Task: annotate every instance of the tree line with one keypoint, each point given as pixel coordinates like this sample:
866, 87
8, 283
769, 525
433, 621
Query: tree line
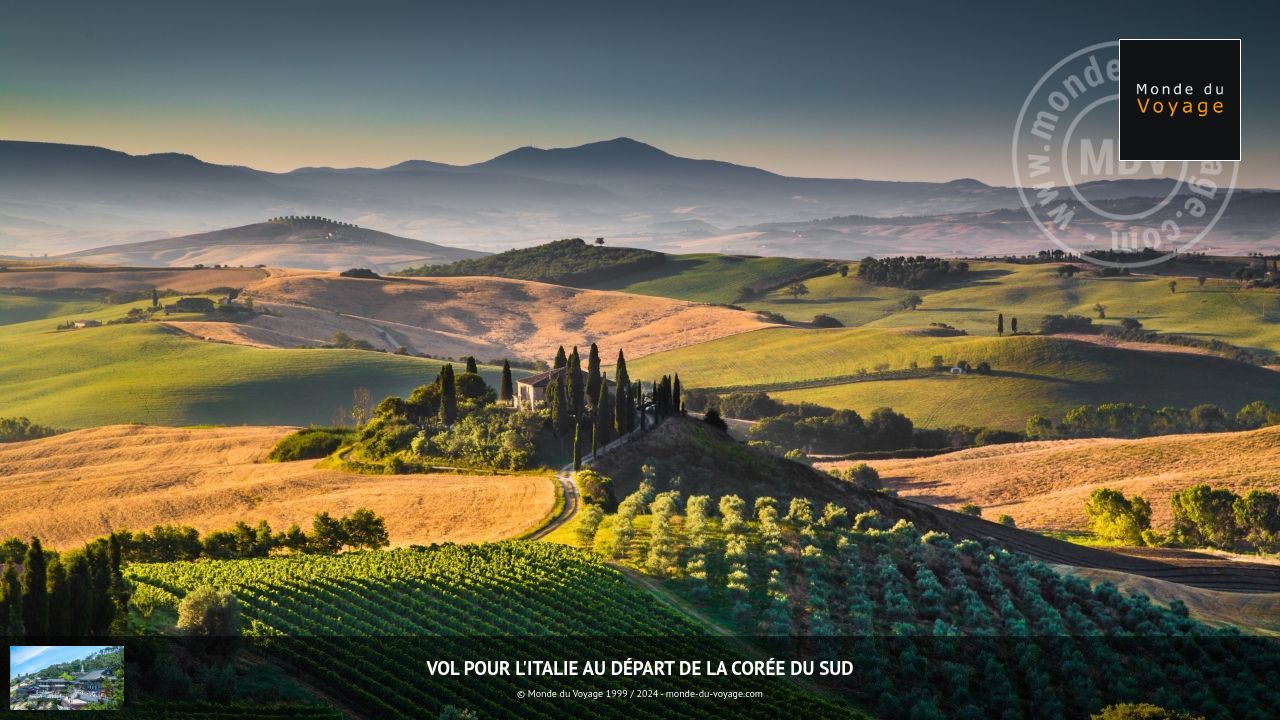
362, 529
1203, 516
912, 272
1127, 420
80, 593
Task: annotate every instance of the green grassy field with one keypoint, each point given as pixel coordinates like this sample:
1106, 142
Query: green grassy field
1031, 374
150, 373
710, 278
23, 308
1248, 318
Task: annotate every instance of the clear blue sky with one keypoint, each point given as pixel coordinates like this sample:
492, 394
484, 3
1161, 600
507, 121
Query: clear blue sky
30, 658
895, 90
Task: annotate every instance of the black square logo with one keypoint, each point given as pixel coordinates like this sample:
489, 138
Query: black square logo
1179, 100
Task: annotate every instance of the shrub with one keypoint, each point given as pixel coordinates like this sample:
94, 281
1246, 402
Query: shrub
595, 489
970, 509
1051, 324
209, 612
992, 436
1115, 517
1006, 520
309, 444
823, 320
712, 418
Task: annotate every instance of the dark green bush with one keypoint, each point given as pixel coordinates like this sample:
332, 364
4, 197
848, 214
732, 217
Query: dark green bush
309, 444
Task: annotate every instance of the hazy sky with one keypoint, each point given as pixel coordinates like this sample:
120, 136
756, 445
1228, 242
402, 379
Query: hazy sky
876, 90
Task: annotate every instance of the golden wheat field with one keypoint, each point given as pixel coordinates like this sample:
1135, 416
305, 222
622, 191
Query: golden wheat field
481, 316
1044, 485
73, 487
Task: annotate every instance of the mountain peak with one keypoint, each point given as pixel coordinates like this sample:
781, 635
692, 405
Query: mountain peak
621, 148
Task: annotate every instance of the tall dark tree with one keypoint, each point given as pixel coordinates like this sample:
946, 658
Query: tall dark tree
505, 390
155, 298
448, 395
1013, 326
593, 373
59, 598
577, 446
35, 590
561, 360
576, 385
623, 408
604, 419
640, 401
558, 405
103, 605
471, 365
11, 603
677, 399
1000, 324
80, 587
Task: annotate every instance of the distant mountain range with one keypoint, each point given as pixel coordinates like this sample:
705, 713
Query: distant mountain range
64, 198
315, 244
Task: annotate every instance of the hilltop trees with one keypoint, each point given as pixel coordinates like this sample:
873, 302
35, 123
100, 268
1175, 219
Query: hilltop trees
448, 395
1000, 324
909, 272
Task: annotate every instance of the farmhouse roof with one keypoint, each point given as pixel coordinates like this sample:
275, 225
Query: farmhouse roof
542, 378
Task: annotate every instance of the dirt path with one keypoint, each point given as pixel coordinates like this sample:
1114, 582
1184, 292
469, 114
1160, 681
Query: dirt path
565, 478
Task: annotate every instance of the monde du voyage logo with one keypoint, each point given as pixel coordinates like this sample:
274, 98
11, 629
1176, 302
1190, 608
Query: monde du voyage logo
1162, 114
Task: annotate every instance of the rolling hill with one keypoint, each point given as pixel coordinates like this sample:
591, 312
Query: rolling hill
311, 244
487, 317
1044, 485
210, 478
1031, 374
152, 373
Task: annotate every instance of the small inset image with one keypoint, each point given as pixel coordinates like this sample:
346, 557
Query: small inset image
66, 677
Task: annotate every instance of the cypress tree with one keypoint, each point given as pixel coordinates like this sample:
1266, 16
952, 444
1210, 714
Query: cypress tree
471, 365
576, 386
677, 400
155, 298
505, 390
593, 373
448, 395
12, 603
1013, 326
59, 598
577, 446
35, 591
1000, 324
561, 361
80, 590
558, 405
604, 419
623, 410
644, 417
103, 605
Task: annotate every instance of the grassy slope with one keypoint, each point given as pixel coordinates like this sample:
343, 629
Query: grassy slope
24, 308
152, 374
709, 277
1033, 374
1045, 485
1249, 318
